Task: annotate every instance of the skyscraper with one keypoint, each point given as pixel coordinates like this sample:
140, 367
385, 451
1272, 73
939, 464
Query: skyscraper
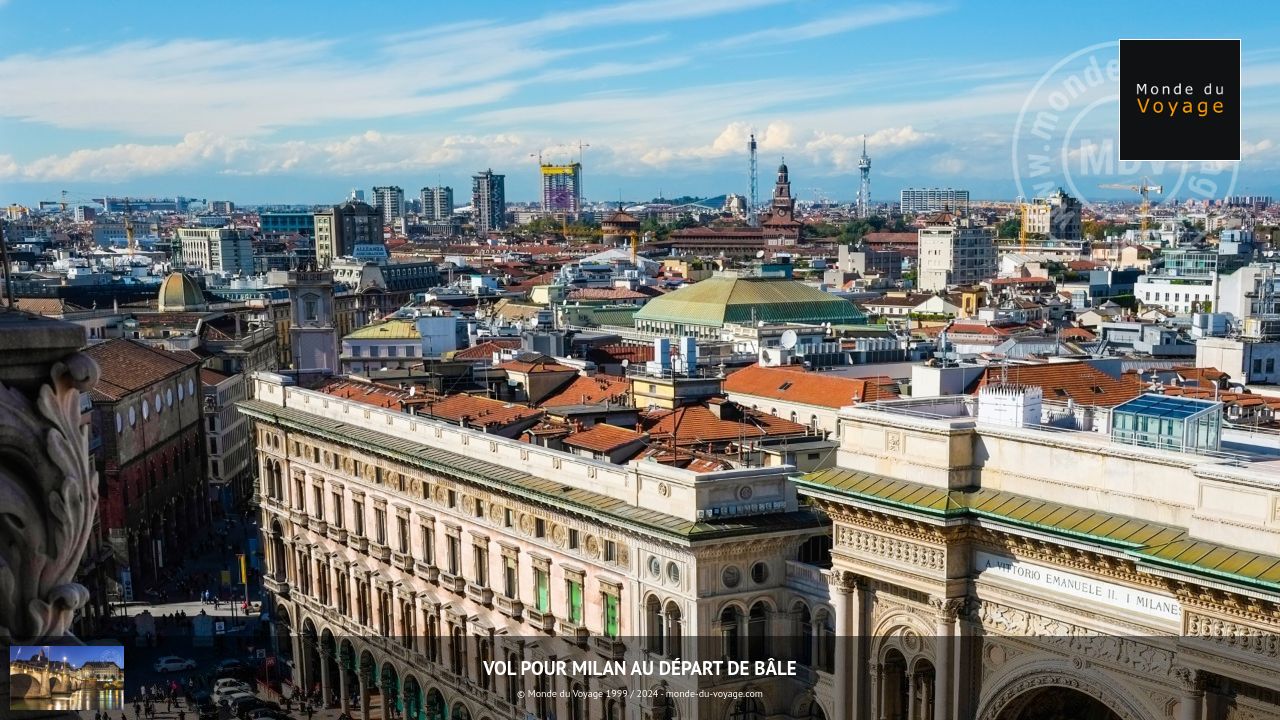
489, 201
389, 199
562, 188
437, 202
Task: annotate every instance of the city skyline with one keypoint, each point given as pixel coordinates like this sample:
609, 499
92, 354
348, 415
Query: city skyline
76, 655
278, 107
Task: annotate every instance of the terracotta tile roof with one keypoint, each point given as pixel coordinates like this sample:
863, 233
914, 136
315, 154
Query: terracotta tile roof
1077, 381
911, 300
808, 388
1208, 377
129, 366
211, 377
543, 364
1076, 333
617, 353
478, 412
595, 390
698, 425
604, 438
486, 349
366, 392
1080, 265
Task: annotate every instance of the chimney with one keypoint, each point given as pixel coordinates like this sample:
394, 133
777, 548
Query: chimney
1010, 405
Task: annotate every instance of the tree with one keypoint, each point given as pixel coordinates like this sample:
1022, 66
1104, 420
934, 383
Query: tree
1009, 228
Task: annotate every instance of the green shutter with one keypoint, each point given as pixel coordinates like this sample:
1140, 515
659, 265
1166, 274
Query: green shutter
544, 592
611, 615
575, 603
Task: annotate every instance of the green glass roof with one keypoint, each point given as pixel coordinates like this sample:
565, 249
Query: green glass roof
517, 482
729, 299
1143, 541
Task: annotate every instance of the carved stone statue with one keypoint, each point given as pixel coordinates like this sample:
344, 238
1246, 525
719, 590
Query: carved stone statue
48, 484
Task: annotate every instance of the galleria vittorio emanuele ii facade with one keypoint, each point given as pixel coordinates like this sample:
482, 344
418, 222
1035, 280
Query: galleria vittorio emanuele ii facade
960, 561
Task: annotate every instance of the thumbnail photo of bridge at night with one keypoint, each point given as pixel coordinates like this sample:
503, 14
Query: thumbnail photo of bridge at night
72, 677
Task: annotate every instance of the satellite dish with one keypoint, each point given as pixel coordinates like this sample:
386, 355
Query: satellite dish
759, 253
626, 363
789, 339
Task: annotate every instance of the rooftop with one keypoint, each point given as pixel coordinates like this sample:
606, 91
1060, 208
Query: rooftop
730, 298
390, 329
808, 388
128, 366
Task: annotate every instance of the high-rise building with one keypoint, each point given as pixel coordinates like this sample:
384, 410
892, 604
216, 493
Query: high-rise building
222, 207
340, 229
923, 200
955, 250
489, 201
389, 200
222, 249
1055, 218
562, 188
437, 202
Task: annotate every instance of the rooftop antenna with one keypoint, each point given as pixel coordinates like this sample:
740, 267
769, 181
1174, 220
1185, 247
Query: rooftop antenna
754, 202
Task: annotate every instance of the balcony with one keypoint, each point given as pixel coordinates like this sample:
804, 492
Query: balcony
807, 579
380, 551
545, 622
510, 607
430, 573
298, 516
359, 543
337, 533
402, 561
574, 632
276, 583
455, 584
319, 526
609, 648
480, 594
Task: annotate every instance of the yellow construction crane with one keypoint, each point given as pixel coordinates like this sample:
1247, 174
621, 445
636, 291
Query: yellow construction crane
1144, 211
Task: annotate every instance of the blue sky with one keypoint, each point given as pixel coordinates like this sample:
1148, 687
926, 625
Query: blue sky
301, 101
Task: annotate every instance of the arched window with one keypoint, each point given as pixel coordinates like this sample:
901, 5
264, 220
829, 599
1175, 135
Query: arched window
731, 632
802, 634
758, 631
664, 708
746, 708
794, 416
577, 710
675, 630
826, 641
655, 624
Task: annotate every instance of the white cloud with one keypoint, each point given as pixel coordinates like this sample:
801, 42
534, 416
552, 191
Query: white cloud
230, 87
858, 19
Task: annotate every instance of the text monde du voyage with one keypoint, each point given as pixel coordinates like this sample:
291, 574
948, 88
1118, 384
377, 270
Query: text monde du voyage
1180, 99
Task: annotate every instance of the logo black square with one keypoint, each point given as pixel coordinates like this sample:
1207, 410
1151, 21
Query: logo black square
1179, 99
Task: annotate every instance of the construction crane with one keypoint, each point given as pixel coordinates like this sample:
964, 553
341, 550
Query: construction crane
1144, 211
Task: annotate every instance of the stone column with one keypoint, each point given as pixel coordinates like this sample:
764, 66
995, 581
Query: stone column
1191, 704
841, 589
946, 609
299, 660
324, 674
913, 696
344, 692
364, 695
877, 690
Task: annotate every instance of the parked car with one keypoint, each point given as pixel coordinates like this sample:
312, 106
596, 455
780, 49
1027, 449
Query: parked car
230, 695
173, 663
228, 682
241, 708
268, 713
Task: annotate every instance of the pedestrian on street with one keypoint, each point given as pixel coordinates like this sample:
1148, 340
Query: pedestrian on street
311, 710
